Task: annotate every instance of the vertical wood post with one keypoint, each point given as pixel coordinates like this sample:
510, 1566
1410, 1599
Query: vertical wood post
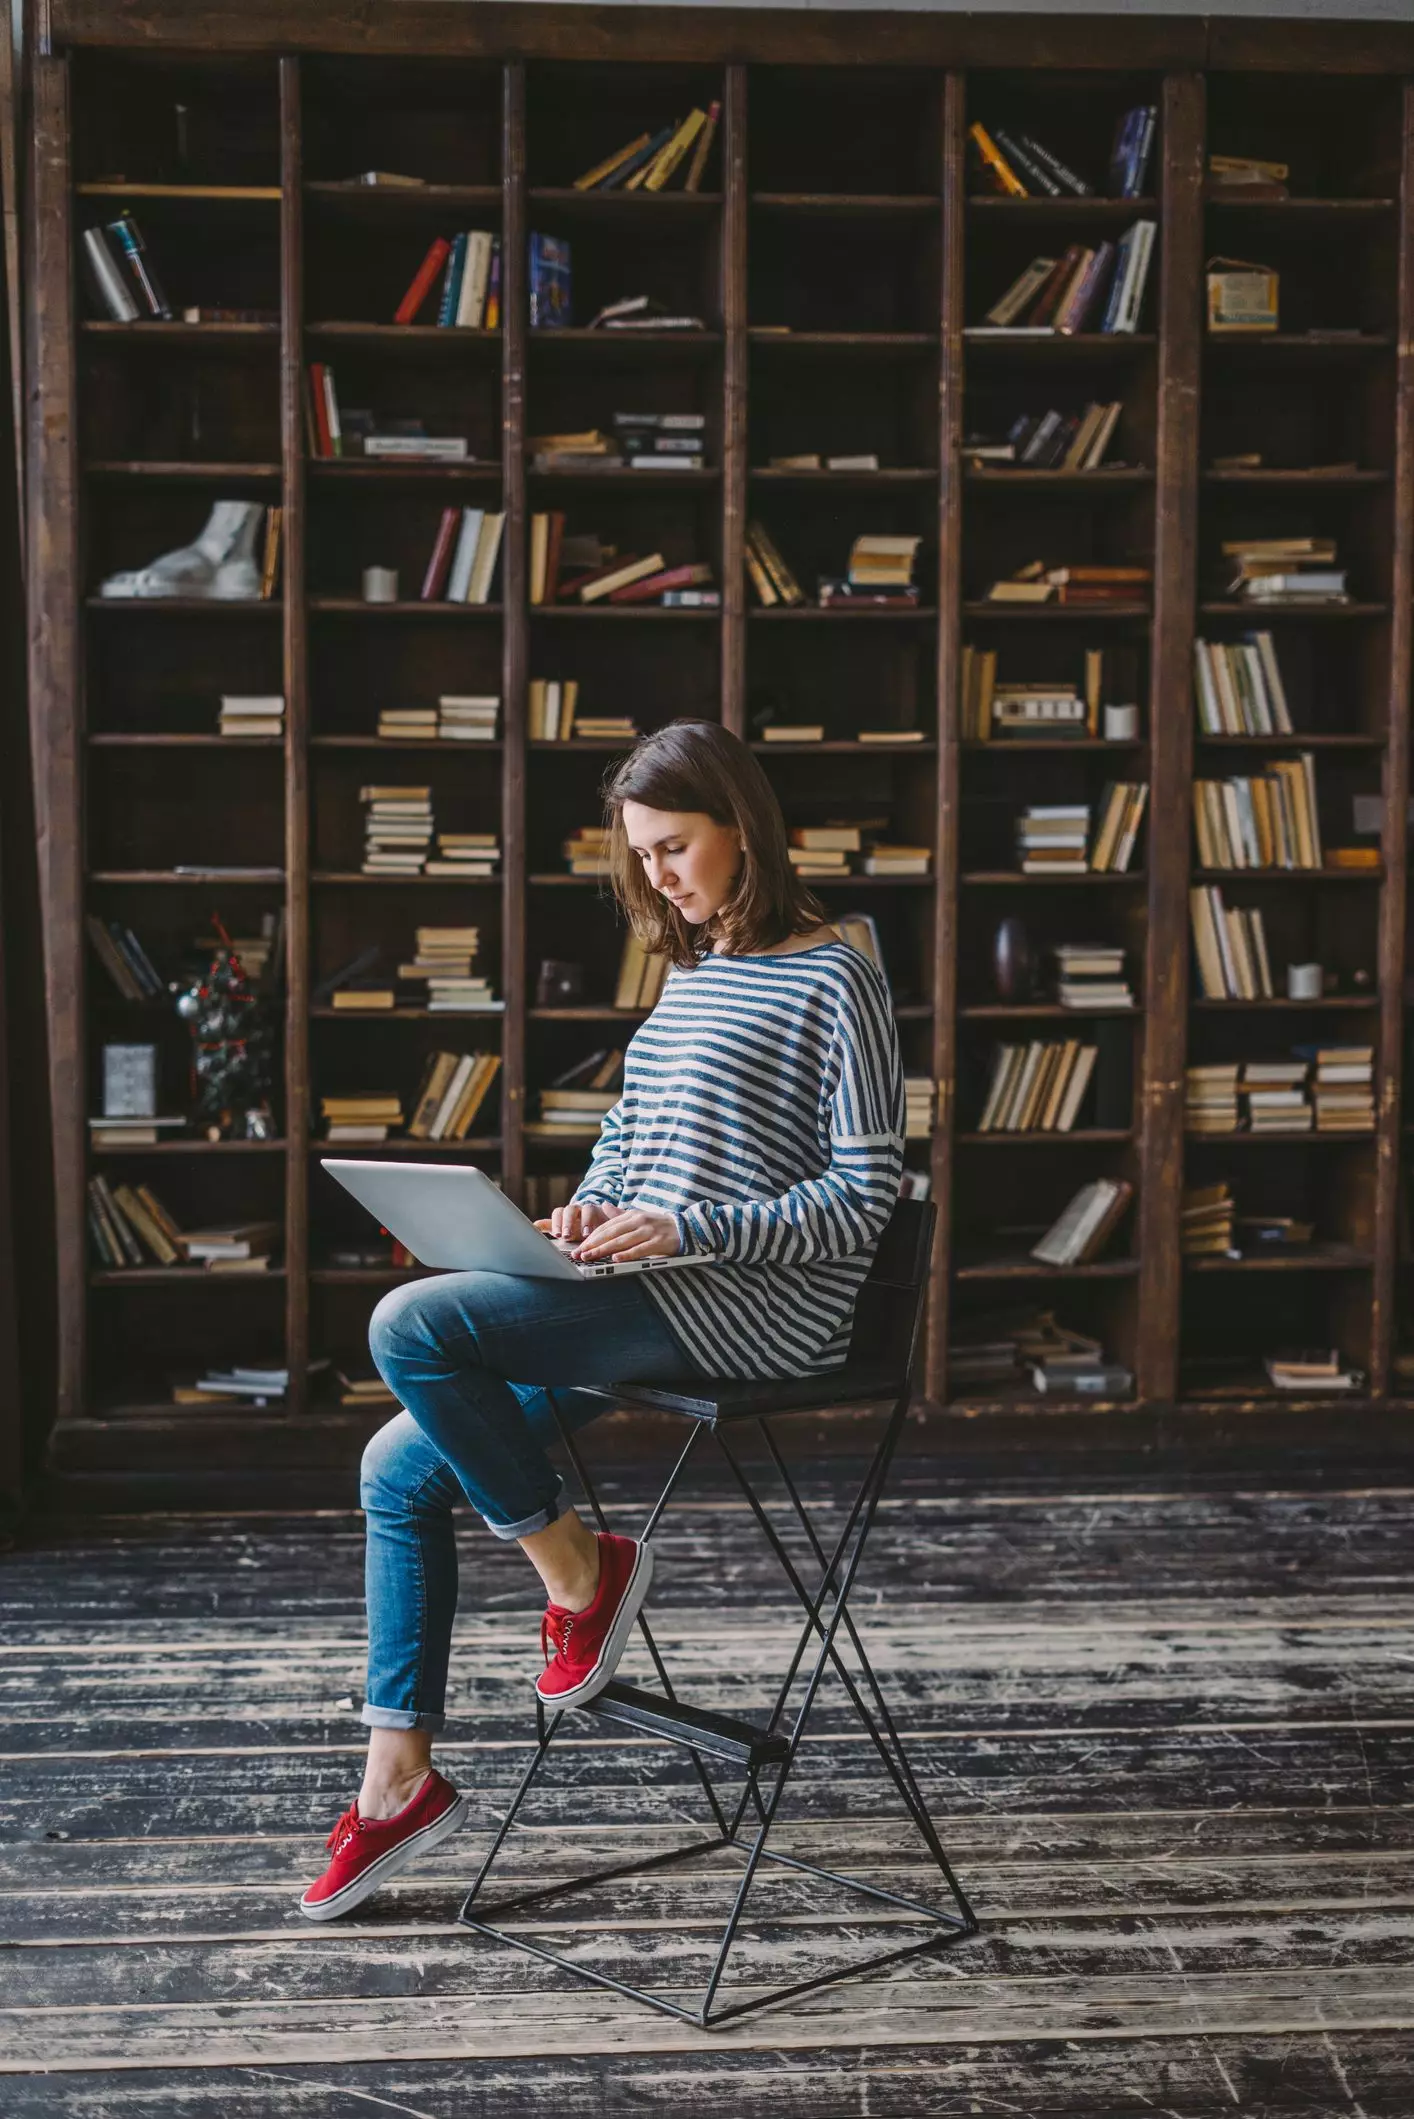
734, 387
515, 970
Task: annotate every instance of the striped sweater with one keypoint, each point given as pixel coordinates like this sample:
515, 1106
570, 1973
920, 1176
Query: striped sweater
763, 1106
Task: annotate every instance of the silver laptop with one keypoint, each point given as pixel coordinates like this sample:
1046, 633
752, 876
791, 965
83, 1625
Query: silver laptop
452, 1216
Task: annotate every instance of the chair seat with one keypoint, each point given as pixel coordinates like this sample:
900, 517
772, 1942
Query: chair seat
717, 1398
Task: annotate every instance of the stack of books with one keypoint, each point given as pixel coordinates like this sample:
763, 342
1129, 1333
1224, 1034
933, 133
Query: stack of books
1261, 820
366, 1119
1091, 975
441, 969
1210, 1097
1018, 166
467, 717
1100, 585
133, 1131
642, 312
1079, 1234
627, 578
587, 850
237, 1247
576, 1101
662, 441
812, 460
397, 830
1343, 1088
1275, 1091
583, 450
1000, 1346
1230, 944
650, 160
606, 728
1050, 441
551, 275
1285, 570
1038, 1087
824, 849
767, 571
252, 714
469, 265
451, 1092
254, 1383
465, 853
887, 858
1207, 1222
1051, 839
1244, 177
550, 709
641, 976
1042, 708
120, 273
365, 1387
462, 562
1311, 1374
918, 1107
407, 724
130, 1226
880, 575
1238, 687
1100, 289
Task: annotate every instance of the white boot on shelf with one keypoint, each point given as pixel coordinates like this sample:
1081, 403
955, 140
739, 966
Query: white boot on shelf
220, 564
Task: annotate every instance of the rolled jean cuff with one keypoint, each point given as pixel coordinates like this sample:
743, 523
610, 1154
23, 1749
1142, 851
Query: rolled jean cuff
528, 1525
399, 1718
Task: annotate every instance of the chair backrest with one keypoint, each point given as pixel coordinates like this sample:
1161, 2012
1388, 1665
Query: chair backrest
888, 1315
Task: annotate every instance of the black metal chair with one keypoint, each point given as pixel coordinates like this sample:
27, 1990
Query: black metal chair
883, 1349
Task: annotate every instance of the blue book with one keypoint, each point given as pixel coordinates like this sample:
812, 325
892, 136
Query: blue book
645, 154
550, 306
1115, 302
452, 282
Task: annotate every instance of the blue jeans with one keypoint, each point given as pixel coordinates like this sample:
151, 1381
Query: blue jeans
446, 1348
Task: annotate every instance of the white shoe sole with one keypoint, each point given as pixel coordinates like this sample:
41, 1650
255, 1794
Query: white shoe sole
388, 1865
615, 1641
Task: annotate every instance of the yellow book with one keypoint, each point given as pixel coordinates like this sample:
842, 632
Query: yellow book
630, 973
569, 699
606, 168
997, 162
535, 710
663, 165
539, 547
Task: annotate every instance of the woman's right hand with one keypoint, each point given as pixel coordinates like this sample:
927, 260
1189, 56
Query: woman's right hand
575, 1221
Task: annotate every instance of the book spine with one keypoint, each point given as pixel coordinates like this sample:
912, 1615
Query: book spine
108, 281
1029, 168
129, 237
703, 148
492, 320
421, 287
995, 164
1063, 174
452, 283
439, 565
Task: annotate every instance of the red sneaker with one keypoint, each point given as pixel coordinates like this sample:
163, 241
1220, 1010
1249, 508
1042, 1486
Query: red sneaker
368, 1850
582, 1648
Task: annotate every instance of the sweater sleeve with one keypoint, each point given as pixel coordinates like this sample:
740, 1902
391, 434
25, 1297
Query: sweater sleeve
604, 1179
843, 1210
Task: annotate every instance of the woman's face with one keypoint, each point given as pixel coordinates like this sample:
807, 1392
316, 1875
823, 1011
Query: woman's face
692, 860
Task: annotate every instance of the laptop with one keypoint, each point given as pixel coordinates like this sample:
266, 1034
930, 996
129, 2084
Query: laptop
452, 1216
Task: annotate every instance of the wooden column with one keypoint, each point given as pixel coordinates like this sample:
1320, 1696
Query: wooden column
1389, 1052
515, 970
54, 608
952, 184
296, 680
1170, 733
734, 387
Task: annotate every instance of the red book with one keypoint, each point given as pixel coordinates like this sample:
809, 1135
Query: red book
324, 441
421, 287
553, 542
440, 564
1049, 299
653, 585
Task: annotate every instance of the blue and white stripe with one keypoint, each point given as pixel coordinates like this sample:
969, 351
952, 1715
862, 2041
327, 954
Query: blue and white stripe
763, 1105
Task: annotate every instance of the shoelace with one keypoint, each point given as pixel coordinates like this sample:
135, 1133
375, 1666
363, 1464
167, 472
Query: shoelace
555, 1630
344, 1831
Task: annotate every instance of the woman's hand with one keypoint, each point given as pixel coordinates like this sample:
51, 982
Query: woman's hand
633, 1232
576, 1221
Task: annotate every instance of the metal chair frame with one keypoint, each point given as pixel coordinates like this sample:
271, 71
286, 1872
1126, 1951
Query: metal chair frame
743, 1825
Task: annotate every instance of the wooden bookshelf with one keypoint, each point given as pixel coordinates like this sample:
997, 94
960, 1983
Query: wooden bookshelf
841, 261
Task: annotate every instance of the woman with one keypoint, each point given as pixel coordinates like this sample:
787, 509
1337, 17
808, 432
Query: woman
761, 1124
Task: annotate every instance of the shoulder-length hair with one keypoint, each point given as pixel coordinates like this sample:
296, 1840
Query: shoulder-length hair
700, 766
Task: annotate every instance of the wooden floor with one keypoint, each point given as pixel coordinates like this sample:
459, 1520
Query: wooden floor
1167, 1731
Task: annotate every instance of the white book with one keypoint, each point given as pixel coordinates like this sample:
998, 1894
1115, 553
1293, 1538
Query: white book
1276, 690
459, 579
252, 703
1075, 1088
1140, 260
112, 287
552, 710
452, 1096
484, 564
471, 301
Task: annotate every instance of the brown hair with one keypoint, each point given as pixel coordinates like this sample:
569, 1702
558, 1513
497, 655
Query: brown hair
699, 766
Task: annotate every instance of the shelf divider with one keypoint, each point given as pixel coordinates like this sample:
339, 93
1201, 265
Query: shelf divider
736, 356
515, 969
296, 680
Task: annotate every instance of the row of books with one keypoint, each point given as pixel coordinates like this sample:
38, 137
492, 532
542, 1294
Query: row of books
813, 460
640, 441
470, 269
1038, 1087
553, 716
879, 573
1260, 820
451, 1092
1083, 584
458, 717
398, 835
462, 563
253, 1383
1017, 165
1238, 687
1041, 708
1057, 839
576, 1101
1323, 1089
1085, 1224
1284, 570
439, 977
828, 850
124, 959
1209, 1226
1048, 441
1010, 1346
251, 714
772, 731
1100, 289
642, 975
650, 160
1230, 944
604, 574
335, 430
129, 1226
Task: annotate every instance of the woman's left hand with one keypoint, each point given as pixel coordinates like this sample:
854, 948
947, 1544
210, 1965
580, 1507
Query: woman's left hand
636, 1232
